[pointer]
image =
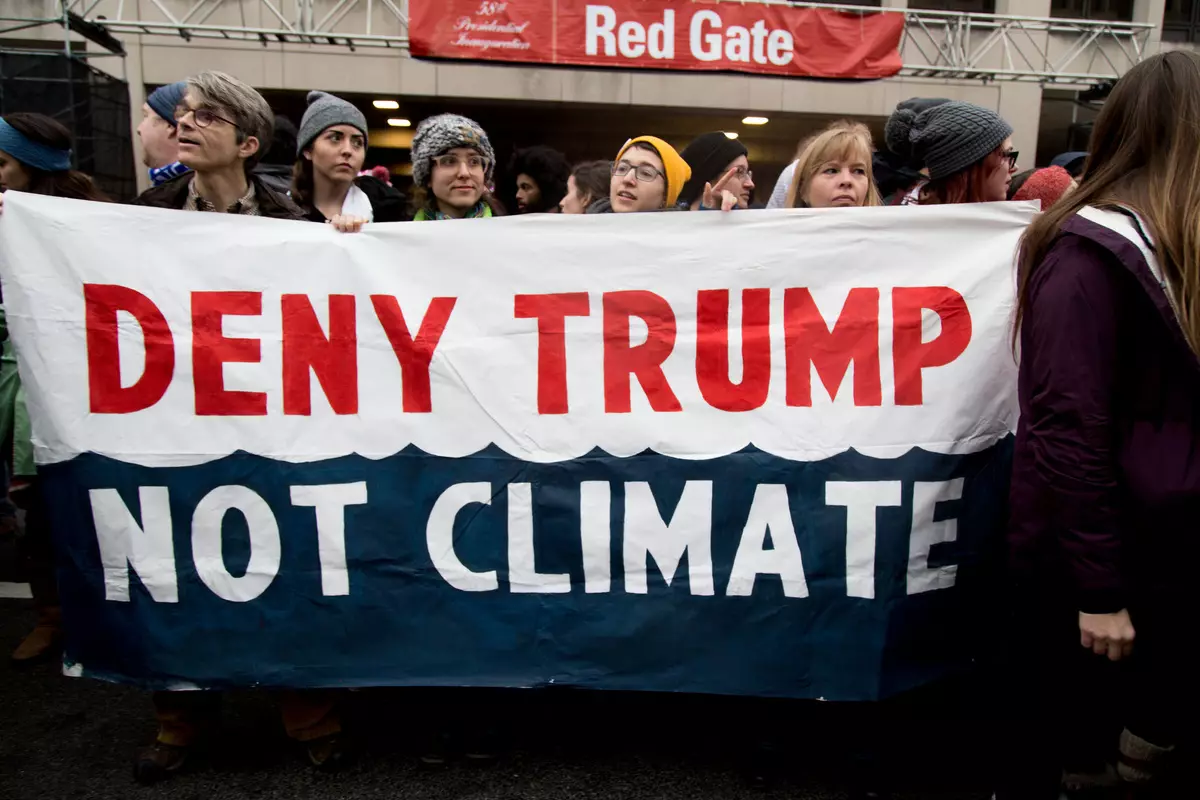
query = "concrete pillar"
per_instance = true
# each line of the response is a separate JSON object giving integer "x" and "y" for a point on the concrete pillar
{"x": 137, "y": 98}
{"x": 1151, "y": 11}
{"x": 1023, "y": 8}
{"x": 1021, "y": 106}
{"x": 1020, "y": 102}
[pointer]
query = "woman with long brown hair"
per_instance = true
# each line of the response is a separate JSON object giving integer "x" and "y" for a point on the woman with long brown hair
{"x": 833, "y": 169}
{"x": 1106, "y": 482}
{"x": 35, "y": 157}
{"x": 967, "y": 150}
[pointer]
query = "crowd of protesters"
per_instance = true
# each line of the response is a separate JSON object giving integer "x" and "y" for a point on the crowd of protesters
{"x": 1106, "y": 480}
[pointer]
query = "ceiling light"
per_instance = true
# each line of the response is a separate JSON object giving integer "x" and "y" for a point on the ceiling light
{"x": 386, "y": 105}
{"x": 731, "y": 134}
{"x": 399, "y": 123}
{"x": 755, "y": 121}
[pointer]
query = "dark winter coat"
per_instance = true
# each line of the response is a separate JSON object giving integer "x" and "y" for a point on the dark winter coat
{"x": 173, "y": 194}
{"x": 277, "y": 177}
{"x": 1106, "y": 480}
{"x": 388, "y": 203}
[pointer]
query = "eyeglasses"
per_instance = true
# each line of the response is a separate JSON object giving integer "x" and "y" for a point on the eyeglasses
{"x": 643, "y": 172}
{"x": 743, "y": 174}
{"x": 1012, "y": 156}
{"x": 474, "y": 163}
{"x": 202, "y": 116}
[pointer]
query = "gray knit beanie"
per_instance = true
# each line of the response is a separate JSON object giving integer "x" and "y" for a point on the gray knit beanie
{"x": 437, "y": 135}
{"x": 324, "y": 111}
{"x": 895, "y": 132}
{"x": 946, "y": 138}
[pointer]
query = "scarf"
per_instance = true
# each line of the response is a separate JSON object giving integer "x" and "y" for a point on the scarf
{"x": 357, "y": 204}
{"x": 480, "y": 211}
{"x": 160, "y": 175}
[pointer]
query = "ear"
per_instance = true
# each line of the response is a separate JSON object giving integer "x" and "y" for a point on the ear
{"x": 248, "y": 148}
{"x": 307, "y": 153}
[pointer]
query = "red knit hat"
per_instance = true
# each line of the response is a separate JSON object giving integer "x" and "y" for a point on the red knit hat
{"x": 1047, "y": 185}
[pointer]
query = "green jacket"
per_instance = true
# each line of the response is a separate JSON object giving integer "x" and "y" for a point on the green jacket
{"x": 14, "y": 420}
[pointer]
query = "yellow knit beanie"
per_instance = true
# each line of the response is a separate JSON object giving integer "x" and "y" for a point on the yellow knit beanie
{"x": 678, "y": 171}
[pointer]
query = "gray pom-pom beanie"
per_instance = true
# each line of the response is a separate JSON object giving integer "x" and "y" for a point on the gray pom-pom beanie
{"x": 945, "y": 138}
{"x": 324, "y": 111}
{"x": 437, "y": 135}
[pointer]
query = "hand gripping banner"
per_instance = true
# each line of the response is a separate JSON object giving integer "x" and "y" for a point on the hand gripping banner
{"x": 758, "y": 453}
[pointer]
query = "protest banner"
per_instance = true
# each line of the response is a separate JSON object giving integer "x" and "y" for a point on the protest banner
{"x": 761, "y": 453}
{"x": 756, "y": 37}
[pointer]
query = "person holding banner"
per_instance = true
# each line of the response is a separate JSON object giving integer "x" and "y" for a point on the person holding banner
{"x": 648, "y": 175}
{"x": 1106, "y": 480}
{"x": 966, "y": 148}
{"x": 834, "y": 170}
{"x": 453, "y": 164}
{"x": 588, "y": 183}
{"x": 224, "y": 129}
{"x": 224, "y": 124}
{"x": 331, "y": 147}
{"x": 717, "y": 159}
{"x": 35, "y": 157}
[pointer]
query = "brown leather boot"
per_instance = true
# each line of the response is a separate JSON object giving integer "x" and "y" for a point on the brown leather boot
{"x": 158, "y": 762}
{"x": 45, "y": 639}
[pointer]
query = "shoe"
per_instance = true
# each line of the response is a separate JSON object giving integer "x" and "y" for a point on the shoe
{"x": 158, "y": 762}
{"x": 483, "y": 745}
{"x": 761, "y": 768}
{"x": 437, "y": 750}
{"x": 44, "y": 641}
{"x": 1083, "y": 784}
{"x": 328, "y": 754}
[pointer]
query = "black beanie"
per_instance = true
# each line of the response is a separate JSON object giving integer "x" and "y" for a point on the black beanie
{"x": 708, "y": 155}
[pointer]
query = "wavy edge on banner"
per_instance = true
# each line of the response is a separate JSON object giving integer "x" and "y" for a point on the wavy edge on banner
{"x": 968, "y": 446}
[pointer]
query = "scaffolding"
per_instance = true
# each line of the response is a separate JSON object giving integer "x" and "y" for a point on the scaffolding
{"x": 57, "y": 78}
{"x": 936, "y": 44}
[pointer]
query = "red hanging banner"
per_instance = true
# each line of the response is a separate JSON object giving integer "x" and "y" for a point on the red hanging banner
{"x": 700, "y": 35}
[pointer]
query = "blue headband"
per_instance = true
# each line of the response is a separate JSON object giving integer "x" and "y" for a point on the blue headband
{"x": 31, "y": 153}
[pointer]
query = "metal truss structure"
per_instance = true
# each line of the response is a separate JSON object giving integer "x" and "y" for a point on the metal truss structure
{"x": 61, "y": 79}
{"x": 936, "y": 44}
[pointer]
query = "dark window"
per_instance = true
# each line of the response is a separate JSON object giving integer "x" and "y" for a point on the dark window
{"x": 965, "y": 6}
{"x": 1106, "y": 10}
{"x": 1181, "y": 21}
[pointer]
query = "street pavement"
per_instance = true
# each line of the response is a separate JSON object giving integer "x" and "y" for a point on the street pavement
{"x": 75, "y": 738}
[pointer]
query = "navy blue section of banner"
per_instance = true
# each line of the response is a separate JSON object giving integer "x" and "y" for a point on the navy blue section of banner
{"x": 402, "y": 624}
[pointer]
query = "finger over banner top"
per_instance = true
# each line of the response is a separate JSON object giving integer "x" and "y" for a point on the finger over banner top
{"x": 162, "y": 338}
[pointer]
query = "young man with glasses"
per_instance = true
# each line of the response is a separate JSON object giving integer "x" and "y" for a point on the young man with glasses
{"x": 223, "y": 128}
{"x": 647, "y": 175}
{"x": 723, "y": 163}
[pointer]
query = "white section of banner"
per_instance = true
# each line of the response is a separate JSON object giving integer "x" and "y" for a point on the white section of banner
{"x": 484, "y": 372}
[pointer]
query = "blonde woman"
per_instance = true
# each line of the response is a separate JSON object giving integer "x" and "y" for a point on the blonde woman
{"x": 833, "y": 169}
